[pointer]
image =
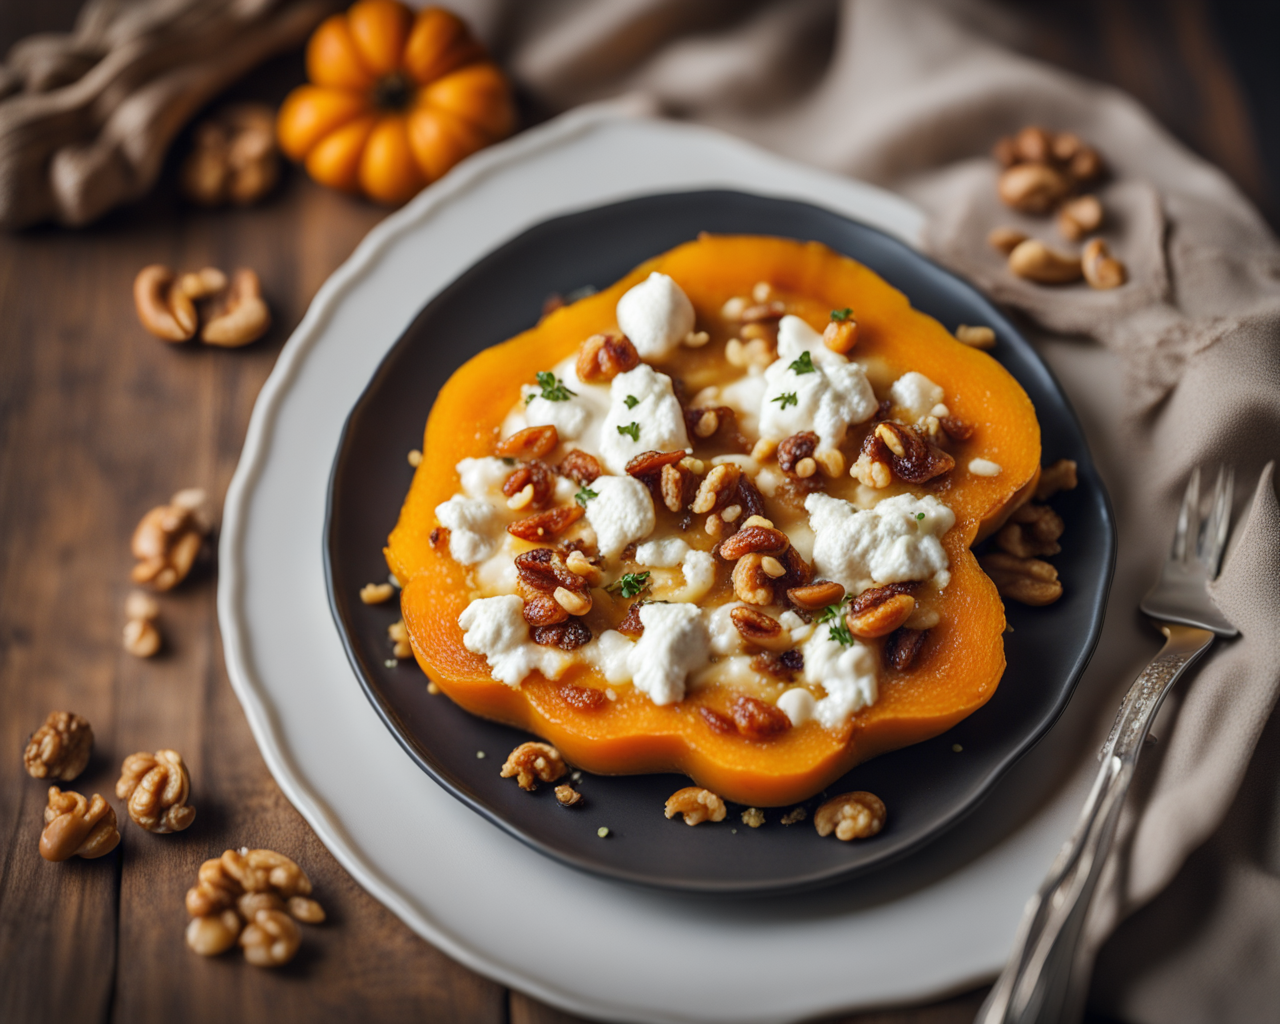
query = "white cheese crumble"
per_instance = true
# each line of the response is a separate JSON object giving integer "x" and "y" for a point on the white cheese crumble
{"x": 621, "y": 512}
{"x": 655, "y": 315}
{"x": 895, "y": 541}
{"x": 495, "y": 628}
{"x": 642, "y": 403}
{"x": 798, "y": 704}
{"x": 698, "y": 567}
{"x": 725, "y": 638}
{"x": 475, "y": 528}
{"x": 483, "y": 478}
{"x": 916, "y": 394}
{"x": 826, "y": 399}
{"x": 570, "y": 418}
{"x": 674, "y": 643}
{"x": 662, "y": 554}
{"x": 985, "y": 467}
{"x": 848, "y": 674}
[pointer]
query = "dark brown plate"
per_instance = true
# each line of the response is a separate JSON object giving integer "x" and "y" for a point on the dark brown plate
{"x": 927, "y": 787}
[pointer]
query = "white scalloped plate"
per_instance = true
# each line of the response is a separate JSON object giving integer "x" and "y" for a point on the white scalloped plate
{"x": 939, "y": 922}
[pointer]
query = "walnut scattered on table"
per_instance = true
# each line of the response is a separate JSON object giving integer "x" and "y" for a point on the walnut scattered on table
{"x": 60, "y": 748}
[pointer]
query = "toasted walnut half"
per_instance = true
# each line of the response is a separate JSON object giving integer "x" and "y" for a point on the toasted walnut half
{"x": 857, "y": 815}
{"x": 60, "y": 748}
{"x": 157, "y": 787}
{"x": 695, "y": 805}
{"x": 531, "y": 763}
{"x": 1026, "y": 580}
{"x": 167, "y": 540}
{"x": 604, "y": 356}
{"x": 77, "y": 827}
{"x": 1032, "y": 530}
{"x": 270, "y": 939}
{"x": 1058, "y": 476}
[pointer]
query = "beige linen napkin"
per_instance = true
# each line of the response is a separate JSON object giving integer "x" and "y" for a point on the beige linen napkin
{"x": 911, "y": 94}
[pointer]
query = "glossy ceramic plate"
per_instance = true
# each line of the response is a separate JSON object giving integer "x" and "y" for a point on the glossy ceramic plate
{"x": 927, "y": 787}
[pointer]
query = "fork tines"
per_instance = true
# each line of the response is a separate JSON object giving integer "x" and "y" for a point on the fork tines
{"x": 1210, "y": 537}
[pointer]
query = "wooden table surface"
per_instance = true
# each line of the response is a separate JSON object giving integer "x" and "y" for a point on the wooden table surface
{"x": 99, "y": 422}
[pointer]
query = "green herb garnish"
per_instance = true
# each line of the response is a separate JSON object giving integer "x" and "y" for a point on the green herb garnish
{"x": 832, "y": 611}
{"x": 584, "y": 495}
{"x": 631, "y": 401}
{"x": 631, "y": 430}
{"x": 919, "y": 517}
{"x": 841, "y": 315}
{"x": 803, "y": 365}
{"x": 553, "y": 389}
{"x": 630, "y": 584}
{"x": 839, "y": 632}
{"x": 786, "y": 399}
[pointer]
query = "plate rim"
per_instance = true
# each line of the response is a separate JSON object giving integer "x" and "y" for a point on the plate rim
{"x": 816, "y": 880}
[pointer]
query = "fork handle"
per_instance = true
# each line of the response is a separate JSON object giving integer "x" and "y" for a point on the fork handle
{"x": 1036, "y": 984}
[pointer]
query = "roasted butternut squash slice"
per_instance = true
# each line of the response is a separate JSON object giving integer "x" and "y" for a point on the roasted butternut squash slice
{"x": 621, "y": 730}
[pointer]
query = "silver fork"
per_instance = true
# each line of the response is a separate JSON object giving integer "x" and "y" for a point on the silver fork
{"x": 1037, "y": 985}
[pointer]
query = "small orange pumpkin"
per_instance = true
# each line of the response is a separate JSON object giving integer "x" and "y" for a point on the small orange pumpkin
{"x": 395, "y": 100}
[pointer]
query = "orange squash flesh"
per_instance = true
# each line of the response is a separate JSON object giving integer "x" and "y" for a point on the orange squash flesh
{"x": 964, "y": 657}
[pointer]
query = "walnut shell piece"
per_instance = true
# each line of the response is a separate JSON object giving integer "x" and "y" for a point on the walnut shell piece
{"x": 857, "y": 815}
{"x": 157, "y": 787}
{"x": 533, "y": 762}
{"x": 60, "y": 748}
{"x": 77, "y": 827}
{"x": 695, "y": 805}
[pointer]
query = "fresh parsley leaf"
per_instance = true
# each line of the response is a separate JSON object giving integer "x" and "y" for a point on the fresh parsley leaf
{"x": 832, "y": 611}
{"x": 803, "y": 365}
{"x": 631, "y": 430}
{"x": 631, "y": 401}
{"x": 841, "y": 315}
{"x": 630, "y": 584}
{"x": 584, "y": 495}
{"x": 919, "y": 517}
{"x": 786, "y": 399}
{"x": 841, "y": 635}
{"x": 553, "y": 389}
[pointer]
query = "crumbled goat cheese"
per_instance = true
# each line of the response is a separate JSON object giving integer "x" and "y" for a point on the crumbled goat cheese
{"x": 797, "y": 704}
{"x": 569, "y": 418}
{"x": 698, "y": 567}
{"x": 884, "y": 544}
{"x": 984, "y": 467}
{"x": 475, "y": 528}
{"x": 641, "y": 402}
{"x": 725, "y": 638}
{"x": 656, "y": 315}
{"x": 743, "y": 396}
{"x": 848, "y": 674}
{"x": 621, "y": 512}
{"x": 915, "y": 393}
{"x": 674, "y": 643}
{"x": 483, "y": 478}
{"x": 662, "y": 554}
{"x": 826, "y": 400}
{"x": 495, "y": 628}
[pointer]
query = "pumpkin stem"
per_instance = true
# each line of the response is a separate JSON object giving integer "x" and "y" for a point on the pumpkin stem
{"x": 393, "y": 92}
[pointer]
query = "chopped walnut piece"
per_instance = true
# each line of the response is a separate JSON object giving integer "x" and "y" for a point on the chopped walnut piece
{"x": 1059, "y": 476}
{"x": 376, "y": 593}
{"x": 542, "y": 525}
{"x": 541, "y": 573}
{"x": 1032, "y": 530}
{"x": 263, "y": 870}
{"x": 870, "y": 471}
{"x": 531, "y": 485}
{"x": 214, "y": 933}
{"x": 750, "y": 582}
{"x": 533, "y": 762}
{"x": 141, "y": 638}
{"x": 215, "y": 889}
{"x": 695, "y": 805}
{"x": 398, "y": 634}
{"x": 757, "y": 720}
{"x": 678, "y": 485}
{"x": 717, "y": 488}
{"x": 908, "y": 455}
{"x": 308, "y": 911}
{"x": 168, "y": 539}
{"x": 816, "y": 596}
{"x": 604, "y": 356}
{"x": 1026, "y": 580}
{"x": 903, "y": 646}
{"x": 753, "y": 817}
{"x": 798, "y": 572}
{"x": 764, "y": 539}
{"x": 77, "y": 827}
{"x": 567, "y": 796}
{"x": 157, "y": 787}
{"x": 270, "y": 939}
{"x": 60, "y": 748}
{"x": 631, "y": 625}
{"x": 755, "y": 627}
{"x": 857, "y": 815}
{"x": 648, "y": 466}
{"x": 976, "y": 337}
{"x": 568, "y": 635}
{"x": 530, "y": 443}
{"x": 796, "y": 448}
{"x": 794, "y": 815}
{"x": 579, "y": 467}
{"x": 882, "y": 617}
{"x": 251, "y": 902}
{"x": 439, "y": 539}
{"x": 956, "y": 428}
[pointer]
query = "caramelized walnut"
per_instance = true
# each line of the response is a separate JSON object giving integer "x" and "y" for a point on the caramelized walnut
{"x": 270, "y": 939}
{"x": 816, "y": 596}
{"x": 531, "y": 485}
{"x": 717, "y": 488}
{"x": 568, "y": 635}
{"x": 751, "y": 583}
{"x": 763, "y": 539}
{"x": 60, "y": 748}
{"x": 757, "y": 720}
{"x": 157, "y": 787}
{"x": 168, "y": 539}
{"x": 794, "y": 450}
{"x": 1060, "y": 476}
{"x": 881, "y": 618}
{"x": 717, "y": 722}
{"x": 1026, "y": 580}
{"x": 1032, "y": 530}
{"x": 903, "y": 647}
{"x": 530, "y": 443}
{"x": 76, "y": 826}
{"x": 648, "y": 466}
{"x": 957, "y": 429}
{"x": 910, "y": 457}
{"x": 542, "y": 525}
{"x": 580, "y": 467}
{"x": 532, "y": 762}
{"x": 760, "y": 629}
{"x": 631, "y": 625}
{"x": 604, "y": 356}
{"x": 677, "y": 487}
{"x": 782, "y": 666}
{"x": 540, "y": 573}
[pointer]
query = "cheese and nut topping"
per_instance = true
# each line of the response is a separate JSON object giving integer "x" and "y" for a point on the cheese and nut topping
{"x": 723, "y": 502}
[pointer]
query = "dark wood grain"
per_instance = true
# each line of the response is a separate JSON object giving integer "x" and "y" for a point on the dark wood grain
{"x": 99, "y": 421}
